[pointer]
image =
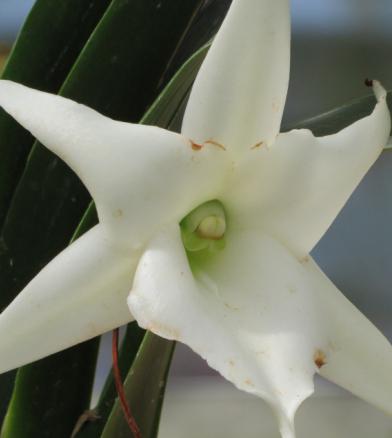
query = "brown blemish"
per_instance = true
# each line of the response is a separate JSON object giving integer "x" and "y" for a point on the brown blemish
{"x": 196, "y": 146}
{"x": 249, "y": 382}
{"x": 319, "y": 358}
{"x": 305, "y": 259}
{"x": 258, "y": 145}
{"x": 231, "y": 363}
{"x": 215, "y": 143}
{"x": 199, "y": 147}
{"x": 118, "y": 213}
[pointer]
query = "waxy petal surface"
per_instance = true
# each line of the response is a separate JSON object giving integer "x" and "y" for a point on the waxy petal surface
{"x": 239, "y": 93}
{"x": 79, "y": 295}
{"x": 357, "y": 357}
{"x": 265, "y": 320}
{"x": 136, "y": 174}
{"x": 295, "y": 188}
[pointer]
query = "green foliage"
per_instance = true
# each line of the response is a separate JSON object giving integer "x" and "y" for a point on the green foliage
{"x": 144, "y": 388}
{"x": 335, "y": 120}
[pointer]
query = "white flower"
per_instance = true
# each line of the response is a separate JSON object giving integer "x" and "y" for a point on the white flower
{"x": 246, "y": 295}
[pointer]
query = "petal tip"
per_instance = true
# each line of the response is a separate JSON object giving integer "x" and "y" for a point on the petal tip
{"x": 378, "y": 90}
{"x": 286, "y": 426}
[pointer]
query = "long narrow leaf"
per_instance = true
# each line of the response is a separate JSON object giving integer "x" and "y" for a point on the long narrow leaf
{"x": 338, "y": 118}
{"x": 144, "y": 388}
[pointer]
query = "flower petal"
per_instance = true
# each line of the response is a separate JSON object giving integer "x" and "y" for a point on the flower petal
{"x": 248, "y": 310}
{"x": 79, "y": 295}
{"x": 295, "y": 189}
{"x": 266, "y": 321}
{"x": 358, "y": 357}
{"x": 239, "y": 94}
{"x": 139, "y": 176}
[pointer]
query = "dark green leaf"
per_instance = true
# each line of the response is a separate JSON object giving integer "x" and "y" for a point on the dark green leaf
{"x": 337, "y": 119}
{"x": 144, "y": 388}
{"x": 49, "y": 43}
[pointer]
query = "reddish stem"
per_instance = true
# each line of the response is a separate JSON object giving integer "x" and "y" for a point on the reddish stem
{"x": 129, "y": 418}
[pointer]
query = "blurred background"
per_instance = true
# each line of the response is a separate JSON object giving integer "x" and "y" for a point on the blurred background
{"x": 336, "y": 44}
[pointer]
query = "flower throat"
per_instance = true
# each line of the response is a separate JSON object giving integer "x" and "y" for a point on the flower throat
{"x": 204, "y": 227}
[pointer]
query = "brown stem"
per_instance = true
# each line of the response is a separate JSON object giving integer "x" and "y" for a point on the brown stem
{"x": 129, "y": 418}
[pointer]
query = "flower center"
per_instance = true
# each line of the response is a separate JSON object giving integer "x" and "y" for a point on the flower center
{"x": 204, "y": 227}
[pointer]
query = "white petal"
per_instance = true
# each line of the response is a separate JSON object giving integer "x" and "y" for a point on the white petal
{"x": 249, "y": 312}
{"x": 296, "y": 188}
{"x": 263, "y": 319}
{"x": 139, "y": 176}
{"x": 358, "y": 357}
{"x": 239, "y": 94}
{"x": 79, "y": 295}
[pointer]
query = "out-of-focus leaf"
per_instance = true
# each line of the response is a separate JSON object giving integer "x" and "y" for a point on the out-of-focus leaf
{"x": 120, "y": 77}
{"x": 206, "y": 24}
{"x": 48, "y": 44}
{"x": 144, "y": 388}
{"x": 338, "y": 118}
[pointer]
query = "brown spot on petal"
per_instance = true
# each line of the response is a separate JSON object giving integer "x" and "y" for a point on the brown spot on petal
{"x": 196, "y": 146}
{"x": 319, "y": 358}
{"x": 305, "y": 259}
{"x": 118, "y": 213}
{"x": 231, "y": 362}
{"x": 215, "y": 143}
{"x": 249, "y": 382}
{"x": 258, "y": 145}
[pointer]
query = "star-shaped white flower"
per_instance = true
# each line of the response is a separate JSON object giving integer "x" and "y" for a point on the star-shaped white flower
{"x": 244, "y": 294}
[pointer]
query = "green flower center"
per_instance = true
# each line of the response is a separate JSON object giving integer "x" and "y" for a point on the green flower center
{"x": 204, "y": 227}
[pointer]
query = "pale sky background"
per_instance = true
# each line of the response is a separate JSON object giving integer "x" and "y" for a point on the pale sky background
{"x": 320, "y": 16}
